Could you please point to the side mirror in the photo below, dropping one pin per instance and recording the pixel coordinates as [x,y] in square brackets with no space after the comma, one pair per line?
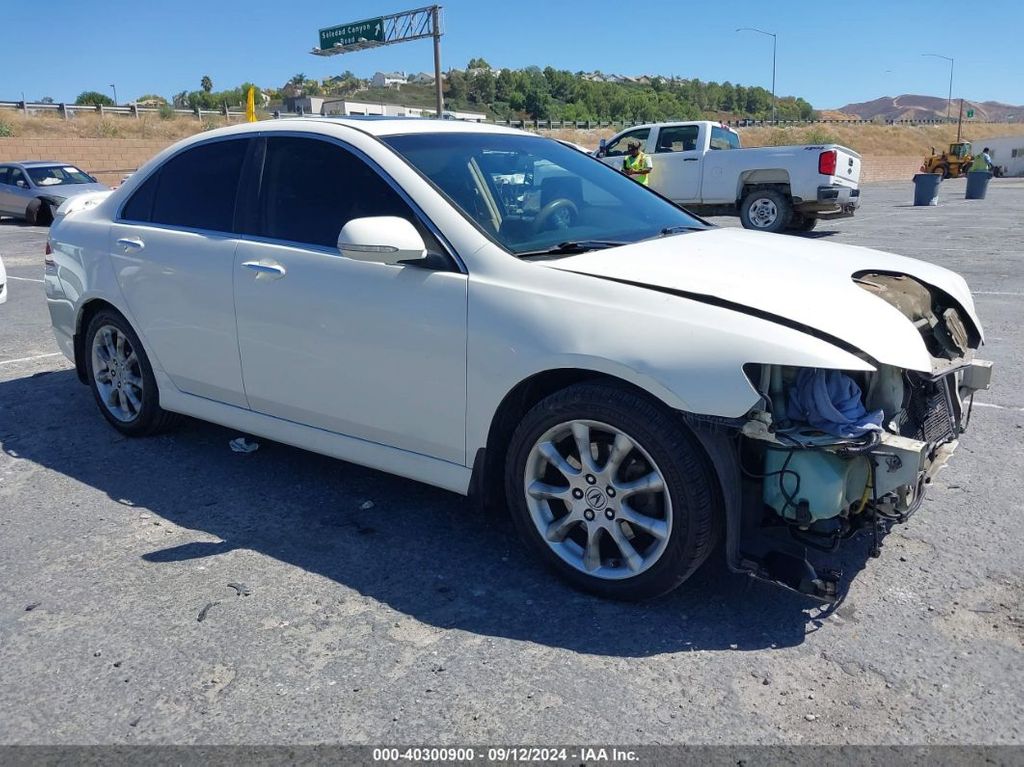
[21,183]
[381,240]
[602,148]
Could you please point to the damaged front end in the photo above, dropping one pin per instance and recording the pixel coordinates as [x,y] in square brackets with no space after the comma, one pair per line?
[807,487]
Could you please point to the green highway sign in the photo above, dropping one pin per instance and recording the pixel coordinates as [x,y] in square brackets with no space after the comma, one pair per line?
[970,113]
[370,30]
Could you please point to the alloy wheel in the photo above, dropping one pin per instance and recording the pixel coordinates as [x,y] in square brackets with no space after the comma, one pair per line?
[598,499]
[117,373]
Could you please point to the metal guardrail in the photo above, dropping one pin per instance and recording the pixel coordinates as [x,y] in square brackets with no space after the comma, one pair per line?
[67,111]
[130,110]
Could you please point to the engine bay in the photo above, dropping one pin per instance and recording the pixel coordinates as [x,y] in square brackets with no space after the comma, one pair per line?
[829,453]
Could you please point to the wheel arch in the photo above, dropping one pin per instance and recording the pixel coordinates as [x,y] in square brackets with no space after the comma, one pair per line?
[767,178]
[89,309]
[487,482]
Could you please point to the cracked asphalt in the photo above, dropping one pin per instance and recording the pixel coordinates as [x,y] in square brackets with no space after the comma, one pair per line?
[169,590]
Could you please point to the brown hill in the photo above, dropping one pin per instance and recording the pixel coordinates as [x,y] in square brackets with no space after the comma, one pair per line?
[911,107]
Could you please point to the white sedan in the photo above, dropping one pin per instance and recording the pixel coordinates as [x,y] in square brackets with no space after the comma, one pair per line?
[497,314]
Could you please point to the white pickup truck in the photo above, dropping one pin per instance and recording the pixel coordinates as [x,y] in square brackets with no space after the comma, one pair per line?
[701,166]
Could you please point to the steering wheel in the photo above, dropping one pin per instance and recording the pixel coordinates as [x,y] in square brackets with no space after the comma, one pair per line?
[551,210]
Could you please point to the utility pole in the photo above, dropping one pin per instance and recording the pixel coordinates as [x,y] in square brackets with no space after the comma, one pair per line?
[115,93]
[775,41]
[949,98]
[438,88]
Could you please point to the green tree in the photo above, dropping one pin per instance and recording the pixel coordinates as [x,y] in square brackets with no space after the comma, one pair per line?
[478,64]
[95,98]
[206,84]
[482,88]
[455,86]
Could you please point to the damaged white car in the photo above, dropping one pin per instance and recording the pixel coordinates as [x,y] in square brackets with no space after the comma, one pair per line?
[500,315]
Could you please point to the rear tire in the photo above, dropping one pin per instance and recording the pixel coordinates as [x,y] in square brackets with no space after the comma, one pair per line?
[624,542]
[766,210]
[941,170]
[121,377]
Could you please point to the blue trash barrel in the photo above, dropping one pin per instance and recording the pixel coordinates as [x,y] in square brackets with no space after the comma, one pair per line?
[926,188]
[977,184]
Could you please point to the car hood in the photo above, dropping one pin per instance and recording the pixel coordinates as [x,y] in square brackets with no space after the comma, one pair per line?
[67,191]
[786,279]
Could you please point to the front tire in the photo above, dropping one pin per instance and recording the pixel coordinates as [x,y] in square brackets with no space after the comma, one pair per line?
[38,213]
[121,377]
[610,490]
[766,210]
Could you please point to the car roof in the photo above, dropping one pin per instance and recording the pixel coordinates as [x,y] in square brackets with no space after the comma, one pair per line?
[36,163]
[374,126]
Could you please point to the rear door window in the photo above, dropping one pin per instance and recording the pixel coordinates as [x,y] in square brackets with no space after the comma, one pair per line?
[140,206]
[196,189]
[721,138]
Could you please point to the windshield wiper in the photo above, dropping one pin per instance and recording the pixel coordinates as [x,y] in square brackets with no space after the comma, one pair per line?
[679,229]
[571,247]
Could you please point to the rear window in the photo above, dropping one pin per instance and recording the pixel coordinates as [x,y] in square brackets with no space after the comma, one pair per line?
[193,190]
[723,138]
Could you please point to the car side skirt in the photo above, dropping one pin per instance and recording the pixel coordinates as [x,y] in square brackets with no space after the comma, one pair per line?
[422,468]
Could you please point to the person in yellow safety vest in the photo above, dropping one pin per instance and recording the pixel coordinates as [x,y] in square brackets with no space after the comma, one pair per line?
[982,161]
[637,165]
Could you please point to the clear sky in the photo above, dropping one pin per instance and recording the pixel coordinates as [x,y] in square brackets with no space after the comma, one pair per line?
[831,53]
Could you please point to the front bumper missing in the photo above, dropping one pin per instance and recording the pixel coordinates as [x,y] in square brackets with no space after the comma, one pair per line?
[902,467]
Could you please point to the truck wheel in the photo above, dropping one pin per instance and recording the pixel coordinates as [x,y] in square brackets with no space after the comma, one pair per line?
[941,170]
[765,210]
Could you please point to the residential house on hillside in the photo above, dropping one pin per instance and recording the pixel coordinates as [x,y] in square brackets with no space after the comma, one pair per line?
[388,80]
[423,78]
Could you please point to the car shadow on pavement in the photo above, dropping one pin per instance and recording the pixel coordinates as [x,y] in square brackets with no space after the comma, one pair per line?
[422,551]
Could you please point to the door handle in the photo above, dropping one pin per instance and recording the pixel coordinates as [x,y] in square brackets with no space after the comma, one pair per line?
[690,159]
[276,270]
[131,243]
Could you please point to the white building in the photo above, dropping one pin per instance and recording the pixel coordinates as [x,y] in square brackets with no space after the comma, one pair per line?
[361,108]
[1007,152]
[388,80]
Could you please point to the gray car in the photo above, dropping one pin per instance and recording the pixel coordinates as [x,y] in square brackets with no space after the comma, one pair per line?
[34,190]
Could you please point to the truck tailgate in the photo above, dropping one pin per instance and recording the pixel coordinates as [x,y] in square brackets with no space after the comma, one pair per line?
[847,167]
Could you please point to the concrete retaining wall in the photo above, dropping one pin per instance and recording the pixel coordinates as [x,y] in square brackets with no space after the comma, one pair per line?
[107,159]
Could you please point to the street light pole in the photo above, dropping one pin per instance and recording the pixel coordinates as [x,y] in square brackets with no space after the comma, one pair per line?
[115,93]
[949,98]
[775,42]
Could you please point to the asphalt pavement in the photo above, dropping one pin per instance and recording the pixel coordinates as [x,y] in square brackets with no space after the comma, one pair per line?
[169,590]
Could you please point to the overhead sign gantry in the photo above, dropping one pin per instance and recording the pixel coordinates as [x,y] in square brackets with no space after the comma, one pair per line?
[387,30]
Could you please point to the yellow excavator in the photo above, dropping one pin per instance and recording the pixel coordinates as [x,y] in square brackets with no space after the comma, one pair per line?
[952,164]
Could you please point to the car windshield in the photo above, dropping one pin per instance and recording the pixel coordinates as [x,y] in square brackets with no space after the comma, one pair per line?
[536,196]
[58,175]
